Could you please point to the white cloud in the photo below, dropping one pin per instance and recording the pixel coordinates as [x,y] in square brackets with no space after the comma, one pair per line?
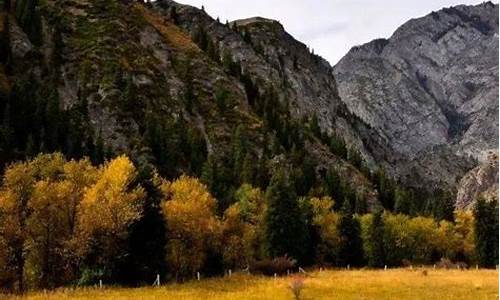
[330,27]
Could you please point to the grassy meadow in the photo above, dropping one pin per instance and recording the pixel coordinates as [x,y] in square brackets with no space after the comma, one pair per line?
[338,284]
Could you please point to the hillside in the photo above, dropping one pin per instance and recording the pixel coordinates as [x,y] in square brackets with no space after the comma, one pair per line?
[115,77]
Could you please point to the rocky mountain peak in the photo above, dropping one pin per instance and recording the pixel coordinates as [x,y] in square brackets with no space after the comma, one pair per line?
[430,90]
[258,21]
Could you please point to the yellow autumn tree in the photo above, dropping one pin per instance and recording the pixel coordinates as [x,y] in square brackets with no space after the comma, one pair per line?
[51,224]
[243,228]
[326,221]
[193,228]
[464,228]
[15,194]
[19,210]
[106,211]
[47,231]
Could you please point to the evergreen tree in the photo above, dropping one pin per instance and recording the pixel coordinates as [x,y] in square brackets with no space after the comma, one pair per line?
[248,170]
[201,38]
[486,232]
[98,154]
[338,147]
[404,201]
[286,229]
[208,173]
[351,251]
[444,206]
[355,158]
[147,236]
[334,187]
[221,99]
[376,254]
[239,151]
[386,190]
[314,125]
[361,206]
[174,16]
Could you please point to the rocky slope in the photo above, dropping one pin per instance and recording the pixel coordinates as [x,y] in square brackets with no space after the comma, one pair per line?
[130,77]
[430,92]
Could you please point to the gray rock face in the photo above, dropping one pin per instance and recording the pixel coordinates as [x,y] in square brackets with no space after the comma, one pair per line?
[482,181]
[430,92]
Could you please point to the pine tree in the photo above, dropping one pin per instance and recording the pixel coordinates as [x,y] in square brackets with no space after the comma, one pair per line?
[361,206]
[314,125]
[376,254]
[147,236]
[355,158]
[98,154]
[248,170]
[286,229]
[351,251]
[238,150]
[404,201]
[486,232]
[198,151]
[338,147]
[174,16]
[444,206]
[386,190]
[221,99]
[334,187]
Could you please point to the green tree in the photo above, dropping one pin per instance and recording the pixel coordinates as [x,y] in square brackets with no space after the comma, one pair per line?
[334,187]
[444,206]
[221,99]
[404,201]
[486,232]
[286,230]
[385,188]
[351,251]
[376,255]
[147,236]
[361,206]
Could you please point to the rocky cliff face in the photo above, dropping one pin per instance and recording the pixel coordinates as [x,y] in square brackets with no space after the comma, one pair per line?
[430,92]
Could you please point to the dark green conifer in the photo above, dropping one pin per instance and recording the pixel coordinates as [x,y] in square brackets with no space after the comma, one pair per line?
[286,229]
[486,232]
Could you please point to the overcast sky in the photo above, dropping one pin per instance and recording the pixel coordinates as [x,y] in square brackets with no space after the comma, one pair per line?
[330,27]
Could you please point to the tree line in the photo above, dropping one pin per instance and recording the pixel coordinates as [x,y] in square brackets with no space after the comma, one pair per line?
[70,222]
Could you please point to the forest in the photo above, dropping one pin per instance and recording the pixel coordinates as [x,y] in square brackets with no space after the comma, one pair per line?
[70,222]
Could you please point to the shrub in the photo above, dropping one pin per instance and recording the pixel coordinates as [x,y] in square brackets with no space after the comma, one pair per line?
[445,263]
[296,286]
[279,265]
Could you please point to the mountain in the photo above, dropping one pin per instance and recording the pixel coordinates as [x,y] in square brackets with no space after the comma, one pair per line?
[430,92]
[172,87]
[230,103]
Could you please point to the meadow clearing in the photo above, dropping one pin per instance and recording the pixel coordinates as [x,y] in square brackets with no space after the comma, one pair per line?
[338,284]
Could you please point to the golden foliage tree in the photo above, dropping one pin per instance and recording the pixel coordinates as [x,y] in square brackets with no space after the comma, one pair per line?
[15,194]
[107,209]
[326,221]
[243,228]
[193,228]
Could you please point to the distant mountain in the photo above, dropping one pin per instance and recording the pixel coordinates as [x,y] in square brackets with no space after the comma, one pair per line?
[430,92]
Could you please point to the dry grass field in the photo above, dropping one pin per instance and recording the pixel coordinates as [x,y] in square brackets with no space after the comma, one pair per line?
[354,284]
